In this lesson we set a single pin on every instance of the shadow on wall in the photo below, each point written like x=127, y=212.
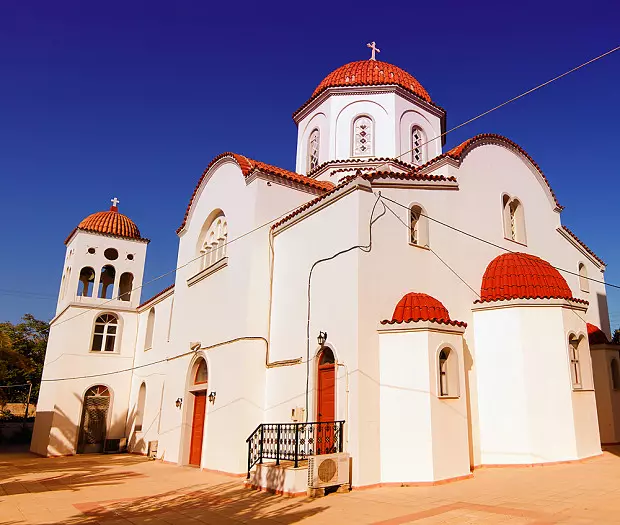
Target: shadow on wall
x=468, y=363
x=603, y=309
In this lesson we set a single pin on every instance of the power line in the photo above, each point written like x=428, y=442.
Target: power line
x=497, y=245
x=513, y=99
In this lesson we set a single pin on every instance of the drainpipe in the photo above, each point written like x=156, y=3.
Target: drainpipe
x=346, y=407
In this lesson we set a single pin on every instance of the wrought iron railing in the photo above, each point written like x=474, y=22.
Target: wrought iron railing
x=294, y=441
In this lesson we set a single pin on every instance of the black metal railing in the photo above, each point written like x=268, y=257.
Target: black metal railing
x=293, y=441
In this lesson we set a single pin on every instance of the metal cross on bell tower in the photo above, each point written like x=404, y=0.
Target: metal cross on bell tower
x=374, y=49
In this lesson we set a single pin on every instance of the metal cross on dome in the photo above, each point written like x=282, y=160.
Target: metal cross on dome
x=374, y=48
x=114, y=202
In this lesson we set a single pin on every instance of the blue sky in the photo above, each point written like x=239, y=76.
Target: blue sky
x=133, y=99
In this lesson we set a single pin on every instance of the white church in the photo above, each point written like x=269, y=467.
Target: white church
x=348, y=309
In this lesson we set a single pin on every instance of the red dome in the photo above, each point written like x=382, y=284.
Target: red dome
x=522, y=276
x=110, y=223
x=372, y=73
x=421, y=307
x=596, y=336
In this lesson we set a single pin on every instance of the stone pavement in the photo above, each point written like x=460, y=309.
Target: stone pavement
x=123, y=489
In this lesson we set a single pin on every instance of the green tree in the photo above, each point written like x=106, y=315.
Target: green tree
x=22, y=353
x=615, y=338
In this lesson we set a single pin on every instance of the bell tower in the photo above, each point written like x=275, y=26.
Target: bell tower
x=104, y=262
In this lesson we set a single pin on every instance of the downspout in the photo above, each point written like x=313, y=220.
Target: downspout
x=346, y=407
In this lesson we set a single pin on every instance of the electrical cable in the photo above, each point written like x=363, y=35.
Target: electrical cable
x=497, y=245
x=513, y=99
x=364, y=248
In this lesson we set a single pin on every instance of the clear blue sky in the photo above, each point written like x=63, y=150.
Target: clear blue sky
x=133, y=99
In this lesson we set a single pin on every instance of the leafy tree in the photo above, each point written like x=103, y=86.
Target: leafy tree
x=615, y=339
x=22, y=353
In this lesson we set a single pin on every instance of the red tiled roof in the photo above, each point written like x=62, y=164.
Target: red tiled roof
x=371, y=73
x=596, y=336
x=166, y=289
x=583, y=244
x=523, y=276
x=415, y=307
x=248, y=166
x=109, y=222
x=459, y=152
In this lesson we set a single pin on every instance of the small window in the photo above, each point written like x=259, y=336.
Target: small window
x=418, y=226
x=130, y=256
x=615, y=374
x=106, y=281
x=584, y=283
x=140, y=408
x=125, y=286
x=514, y=219
x=418, y=146
x=363, y=137
x=150, y=327
x=111, y=254
x=313, y=150
x=201, y=373
x=448, y=373
x=215, y=239
x=104, y=337
x=575, y=367
x=91, y=250
x=86, y=282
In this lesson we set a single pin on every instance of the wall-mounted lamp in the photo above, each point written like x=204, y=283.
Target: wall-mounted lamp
x=322, y=338
x=212, y=397
x=179, y=402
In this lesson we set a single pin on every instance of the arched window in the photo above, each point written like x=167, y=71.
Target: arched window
x=106, y=281
x=448, y=373
x=85, y=284
x=104, y=336
x=418, y=148
x=313, y=150
x=615, y=374
x=125, y=286
x=201, y=375
x=150, y=327
x=418, y=226
x=326, y=357
x=575, y=367
x=363, y=137
x=140, y=408
x=514, y=219
x=213, y=245
x=584, y=284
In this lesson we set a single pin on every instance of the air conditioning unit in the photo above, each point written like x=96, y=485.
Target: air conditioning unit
x=112, y=446
x=152, y=450
x=328, y=470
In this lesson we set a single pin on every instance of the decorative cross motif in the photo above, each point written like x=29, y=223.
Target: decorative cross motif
x=114, y=202
x=374, y=48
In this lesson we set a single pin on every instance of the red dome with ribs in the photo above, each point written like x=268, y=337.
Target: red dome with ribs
x=111, y=222
x=372, y=73
x=522, y=276
x=415, y=307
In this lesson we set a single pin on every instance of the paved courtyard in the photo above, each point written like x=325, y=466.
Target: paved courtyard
x=123, y=489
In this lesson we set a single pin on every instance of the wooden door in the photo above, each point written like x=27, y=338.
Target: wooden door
x=93, y=427
x=198, y=425
x=326, y=406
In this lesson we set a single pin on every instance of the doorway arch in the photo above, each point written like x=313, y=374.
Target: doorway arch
x=93, y=424
x=197, y=393
x=325, y=400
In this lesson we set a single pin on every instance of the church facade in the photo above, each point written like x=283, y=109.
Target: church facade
x=425, y=305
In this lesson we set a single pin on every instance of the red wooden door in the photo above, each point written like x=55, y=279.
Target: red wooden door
x=326, y=406
x=198, y=425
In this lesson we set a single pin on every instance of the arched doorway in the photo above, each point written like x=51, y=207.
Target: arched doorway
x=326, y=401
x=94, y=420
x=199, y=392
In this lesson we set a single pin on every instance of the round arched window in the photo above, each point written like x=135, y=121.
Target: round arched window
x=201, y=373
x=327, y=357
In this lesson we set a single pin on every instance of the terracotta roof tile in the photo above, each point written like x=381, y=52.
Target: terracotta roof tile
x=583, y=244
x=523, y=276
x=109, y=222
x=162, y=292
x=459, y=152
x=415, y=307
x=248, y=166
x=596, y=336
